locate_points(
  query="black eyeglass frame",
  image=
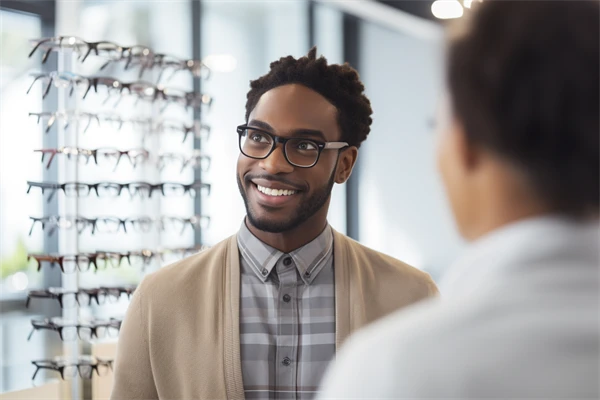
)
(241, 129)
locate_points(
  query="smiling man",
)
(261, 314)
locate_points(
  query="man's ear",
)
(469, 154)
(346, 162)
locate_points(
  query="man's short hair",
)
(523, 79)
(340, 84)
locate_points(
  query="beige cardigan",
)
(180, 338)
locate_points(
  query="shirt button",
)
(287, 261)
(287, 298)
(265, 272)
(286, 361)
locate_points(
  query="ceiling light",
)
(447, 9)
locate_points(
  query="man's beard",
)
(307, 209)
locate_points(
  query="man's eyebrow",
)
(295, 132)
(261, 125)
(309, 132)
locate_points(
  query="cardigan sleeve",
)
(133, 371)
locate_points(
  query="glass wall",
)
(402, 208)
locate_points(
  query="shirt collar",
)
(308, 259)
(501, 253)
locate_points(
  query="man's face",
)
(454, 168)
(289, 111)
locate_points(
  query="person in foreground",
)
(518, 315)
(261, 314)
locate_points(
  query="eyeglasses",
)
(71, 330)
(299, 152)
(97, 225)
(101, 156)
(112, 189)
(109, 50)
(67, 117)
(66, 222)
(134, 56)
(100, 260)
(196, 67)
(178, 189)
(179, 224)
(82, 297)
(79, 189)
(68, 369)
(112, 87)
(197, 129)
(114, 224)
(68, 263)
(197, 160)
(79, 262)
(60, 80)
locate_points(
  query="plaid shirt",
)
(287, 317)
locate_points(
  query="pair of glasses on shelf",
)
(197, 129)
(102, 156)
(197, 160)
(113, 224)
(111, 88)
(69, 331)
(101, 260)
(110, 51)
(69, 368)
(61, 80)
(68, 118)
(139, 56)
(113, 189)
(81, 297)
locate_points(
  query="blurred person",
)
(518, 315)
(261, 314)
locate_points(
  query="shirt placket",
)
(287, 335)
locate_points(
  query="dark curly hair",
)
(340, 84)
(523, 77)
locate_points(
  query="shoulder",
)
(385, 267)
(403, 353)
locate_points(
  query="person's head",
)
(317, 103)
(523, 98)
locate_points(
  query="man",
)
(261, 314)
(518, 316)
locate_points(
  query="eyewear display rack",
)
(81, 248)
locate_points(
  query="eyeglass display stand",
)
(67, 241)
(67, 172)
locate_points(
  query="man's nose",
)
(276, 163)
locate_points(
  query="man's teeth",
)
(275, 192)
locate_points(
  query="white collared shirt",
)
(518, 318)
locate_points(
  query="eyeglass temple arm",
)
(38, 368)
(31, 334)
(33, 226)
(31, 86)
(335, 145)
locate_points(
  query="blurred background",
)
(393, 203)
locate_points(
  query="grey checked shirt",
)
(287, 317)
